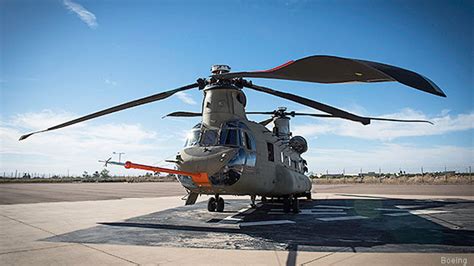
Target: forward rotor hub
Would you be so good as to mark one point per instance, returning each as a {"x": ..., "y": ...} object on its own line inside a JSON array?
[{"x": 220, "y": 69}]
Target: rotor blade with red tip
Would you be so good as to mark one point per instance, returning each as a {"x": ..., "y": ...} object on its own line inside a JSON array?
[
  {"x": 120, "y": 107},
  {"x": 332, "y": 69}
]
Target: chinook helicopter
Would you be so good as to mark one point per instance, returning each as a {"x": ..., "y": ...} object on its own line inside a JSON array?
[{"x": 227, "y": 154}]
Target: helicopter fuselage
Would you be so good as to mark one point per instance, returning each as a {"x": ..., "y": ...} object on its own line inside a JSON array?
[{"x": 241, "y": 157}]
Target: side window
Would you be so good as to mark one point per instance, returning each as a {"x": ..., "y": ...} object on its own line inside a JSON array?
[
  {"x": 271, "y": 155},
  {"x": 248, "y": 141}
]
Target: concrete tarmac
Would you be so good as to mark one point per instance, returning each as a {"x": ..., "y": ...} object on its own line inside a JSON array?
[{"x": 368, "y": 229}]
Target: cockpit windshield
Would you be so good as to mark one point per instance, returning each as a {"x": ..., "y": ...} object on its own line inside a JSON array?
[{"x": 233, "y": 133}]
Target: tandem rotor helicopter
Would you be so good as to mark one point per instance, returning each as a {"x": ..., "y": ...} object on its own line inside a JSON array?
[{"x": 227, "y": 154}]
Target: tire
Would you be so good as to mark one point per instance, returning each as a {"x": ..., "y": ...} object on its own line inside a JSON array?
[
  {"x": 295, "y": 205},
  {"x": 264, "y": 200},
  {"x": 220, "y": 205},
  {"x": 286, "y": 204},
  {"x": 211, "y": 204},
  {"x": 308, "y": 196}
]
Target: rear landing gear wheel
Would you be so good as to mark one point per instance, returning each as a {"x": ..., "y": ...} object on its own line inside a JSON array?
[
  {"x": 264, "y": 200},
  {"x": 295, "y": 205},
  {"x": 220, "y": 205},
  {"x": 286, "y": 204},
  {"x": 308, "y": 196},
  {"x": 211, "y": 204}
]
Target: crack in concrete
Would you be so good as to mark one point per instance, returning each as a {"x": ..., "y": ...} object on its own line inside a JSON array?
[
  {"x": 84, "y": 245},
  {"x": 34, "y": 249}
]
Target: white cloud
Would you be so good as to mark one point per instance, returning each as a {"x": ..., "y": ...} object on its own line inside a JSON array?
[
  {"x": 185, "y": 98},
  {"x": 390, "y": 158},
  {"x": 110, "y": 82},
  {"x": 380, "y": 130},
  {"x": 85, "y": 15},
  {"x": 79, "y": 147}
]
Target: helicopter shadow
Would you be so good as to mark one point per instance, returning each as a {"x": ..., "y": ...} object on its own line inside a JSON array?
[{"x": 330, "y": 225}]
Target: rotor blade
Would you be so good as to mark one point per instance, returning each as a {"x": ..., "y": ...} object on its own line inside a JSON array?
[
  {"x": 332, "y": 69},
  {"x": 371, "y": 118},
  {"x": 182, "y": 114},
  {"x": 152, "y": 98},
  {"x": 260, "y": 113},
  {"x": 266, "y": 122},
  {"x": 316, "y": 105}
]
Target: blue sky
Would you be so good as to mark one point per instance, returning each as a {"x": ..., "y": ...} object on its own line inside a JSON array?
[{"x": 63, "y": 59}]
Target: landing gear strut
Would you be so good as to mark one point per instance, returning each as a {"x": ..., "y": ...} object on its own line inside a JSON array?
[
  {"x": 252, "y": 198},
  {"x": 215, "y": 204}
]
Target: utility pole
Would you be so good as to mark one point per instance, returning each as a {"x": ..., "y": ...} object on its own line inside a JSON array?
[
  {"x": 470, "y": 178},
  {"x": 422, "y": 174},
  {"x": 445, "y": 175},
  {"x": 119, "y": 154}
]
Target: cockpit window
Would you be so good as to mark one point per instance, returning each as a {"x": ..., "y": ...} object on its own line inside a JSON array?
[
  {"x": 230, "y": 137},
  {"x": 209, "y": 137},
  {"x": 193, "y": 137}
]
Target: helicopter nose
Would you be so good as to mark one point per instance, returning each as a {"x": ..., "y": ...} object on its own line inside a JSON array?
[{"x": 208, "y": 160}]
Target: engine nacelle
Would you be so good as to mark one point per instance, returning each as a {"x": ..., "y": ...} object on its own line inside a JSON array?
[{"x": 298, "y": 144}]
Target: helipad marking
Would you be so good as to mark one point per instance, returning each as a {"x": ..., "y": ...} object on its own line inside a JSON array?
[
  {"x": 342, "y": 218},
  {"x": 232, "y": 219},
  {"x": 407, "y": 206},
  {"x": 333, "y": 206},
  {"x": 415, "y": 212},
  {"x": 313, "y": 210},
  {"x": 390, "y": 210},
  {"x": 309, "y": 212},
  {"x": 326, "y": 210},
  {"x": 266, "y": 223},
  {"x": 326, "y": 213}
]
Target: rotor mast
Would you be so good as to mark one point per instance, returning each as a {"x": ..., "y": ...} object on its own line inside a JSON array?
[
  {"x": 281, "y": 123},
  {"x": 224, "y": 99}
]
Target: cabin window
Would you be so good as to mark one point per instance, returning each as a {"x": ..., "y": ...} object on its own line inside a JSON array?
[
  {"x": 271, "y": 155},
  {"x": 248, "y": 141},
  {"x": 295, "y": 164}
]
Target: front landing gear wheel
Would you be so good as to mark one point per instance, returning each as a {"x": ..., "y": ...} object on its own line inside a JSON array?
[
  {"x": 211, "y": 204},
  {"x": 220, "y": 204}
]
